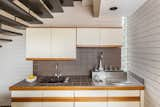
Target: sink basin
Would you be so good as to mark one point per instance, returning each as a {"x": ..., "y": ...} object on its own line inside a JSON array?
[
  {"x": 111, "y": 83},
  {"x": 109, "y": 77},
  {"x": 54, "y": 80},
  {"x": 124, "y": 83}
]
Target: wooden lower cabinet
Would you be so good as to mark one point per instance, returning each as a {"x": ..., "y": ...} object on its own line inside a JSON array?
[
  {"x": 123, "y": 104},
  {"x": 26, "y": 104},
  {"x": 90, "y": 104},
  {"x": 58, "y": 104}
]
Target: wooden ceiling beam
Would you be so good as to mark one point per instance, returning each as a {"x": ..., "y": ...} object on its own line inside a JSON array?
[
  {"x": 54, "y": 5},
  {"x": 7, "y": 21},
  {"x": 9, "y": 33},
  {"x": 96, "y": 8},
  {"x": 10, "y": 7},
  {"x": 6, "y": 40},
  {"x": 38, "y": 7}
]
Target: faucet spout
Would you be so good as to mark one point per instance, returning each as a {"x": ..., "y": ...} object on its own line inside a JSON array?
[
  {"x": 100, "y": 65},
  {"x": 58, "y": 73}
]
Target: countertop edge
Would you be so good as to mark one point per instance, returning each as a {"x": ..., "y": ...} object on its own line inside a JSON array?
[{"x": 13, "y": 88}]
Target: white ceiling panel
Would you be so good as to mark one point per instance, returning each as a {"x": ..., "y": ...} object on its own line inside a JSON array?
[{"x": 125, "y": 7}]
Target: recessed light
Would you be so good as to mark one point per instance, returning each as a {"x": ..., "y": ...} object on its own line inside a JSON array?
[{"x": 113, "y": 8}]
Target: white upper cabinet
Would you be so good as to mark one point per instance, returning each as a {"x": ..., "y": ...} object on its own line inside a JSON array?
[
  {"x": 60, "y": 43},
  {"x": 88, "y": 37},
  {"x": 99, "y": 37},
  {"x": 111, "y": 36},
  {"x": 63, "y": 43},
  {"x": 51, "y": 43},
  {"x": 38, "y": 42}
]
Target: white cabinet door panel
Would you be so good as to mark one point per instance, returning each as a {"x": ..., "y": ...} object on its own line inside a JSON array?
[
  {"x": 38, "y": 42},
  {"x": 63, "y": 43},
  {"x": 26, "y": 104},
  {"x": 58, "y": 104},
  {"x": 26, "y": 93},
  {"x": 85, "y": 93},
  {"x": 119, "y": 93},
  {"x": 111, "y": 36},
  {"x": 90, "y": 104},
  {"x": 58, "y": 93},
  {"x": 88, "y": 36},
  {"x": 123, "y": 104}
]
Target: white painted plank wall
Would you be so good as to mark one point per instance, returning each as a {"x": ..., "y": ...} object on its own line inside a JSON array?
[
  {"x": 13, "y": 66},
  {"x": 144, "y": 49}
]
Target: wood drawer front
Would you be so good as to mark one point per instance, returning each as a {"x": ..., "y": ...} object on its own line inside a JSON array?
[
  {"x": 123, "y": 104},
  {"x": 121, "y": 93},
  {"x": 84, "y": 93},
  {"x": 26, "y": 104},
  {"x": 90, "y": 104},
  {"x": 26, "y": 93},
  {"x": 57, "y": 104},
  {"x": 58, "y": 93}
]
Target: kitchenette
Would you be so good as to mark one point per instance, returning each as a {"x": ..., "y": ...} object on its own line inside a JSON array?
[
  {"x": 75, "y": 67},
  {"x": 79, "y": 53}
]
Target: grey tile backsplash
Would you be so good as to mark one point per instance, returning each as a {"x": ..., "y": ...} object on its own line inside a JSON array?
[{"x": 86, "y": 60}]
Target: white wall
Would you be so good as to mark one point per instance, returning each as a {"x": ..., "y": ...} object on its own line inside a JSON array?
[
  {"x": 144, "y": 49},
  {"x": 13, "y": 66}
]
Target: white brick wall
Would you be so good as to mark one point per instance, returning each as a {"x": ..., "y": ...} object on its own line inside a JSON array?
[
  {"x": 144, "y": 49},
  {"x": 13, "y": 67},
  {"x": 124, "y": 48}
]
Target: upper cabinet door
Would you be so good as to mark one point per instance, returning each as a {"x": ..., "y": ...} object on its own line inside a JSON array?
[
  {"x": 63, "y": 43},
  {"x": 38, "y": 42},
  {"x": 111, "y": 36},
  {"x": 88, "y": 37}
]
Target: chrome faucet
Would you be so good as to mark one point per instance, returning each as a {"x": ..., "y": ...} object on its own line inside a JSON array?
[
  {"x": 58, "y": 73},
  {"x": 100, "y": 65}
]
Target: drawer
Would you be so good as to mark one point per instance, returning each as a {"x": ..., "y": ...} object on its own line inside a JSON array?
[
  {"x": 90, "y": 104},
  {"x": 57, "y": 104},
  {"x": 26, "y": 93},
  {"x": 84, "y": 93},
  {"x": 26, "y": 104},
  {"x": 123, "y": 104},
  {"x": 58, "y": 93},
  {"x": 119, "y": 93}
]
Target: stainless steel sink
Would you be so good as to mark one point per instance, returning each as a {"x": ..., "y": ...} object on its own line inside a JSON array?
[
  {"x": 111, "y": 83},
  {"x": 61, "y": 79},
  {"x": 124, "y": 83},
  {"x": 109, "y": 77}
]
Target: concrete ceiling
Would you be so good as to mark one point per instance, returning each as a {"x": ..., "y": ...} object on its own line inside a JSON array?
[
  {"x": 125, "y": 7},
  {"x": 81, "y": 14}
]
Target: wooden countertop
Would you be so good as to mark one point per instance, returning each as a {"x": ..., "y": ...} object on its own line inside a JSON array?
[{"x": 12, "y": 88}]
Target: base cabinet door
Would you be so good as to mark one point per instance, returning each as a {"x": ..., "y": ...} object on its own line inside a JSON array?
[
  {"x": 26, "y": 104},
  {"x": 58, "y": 104},
  {"x": 90, "y": 104},
  {"x": 123, "y": 104}
]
